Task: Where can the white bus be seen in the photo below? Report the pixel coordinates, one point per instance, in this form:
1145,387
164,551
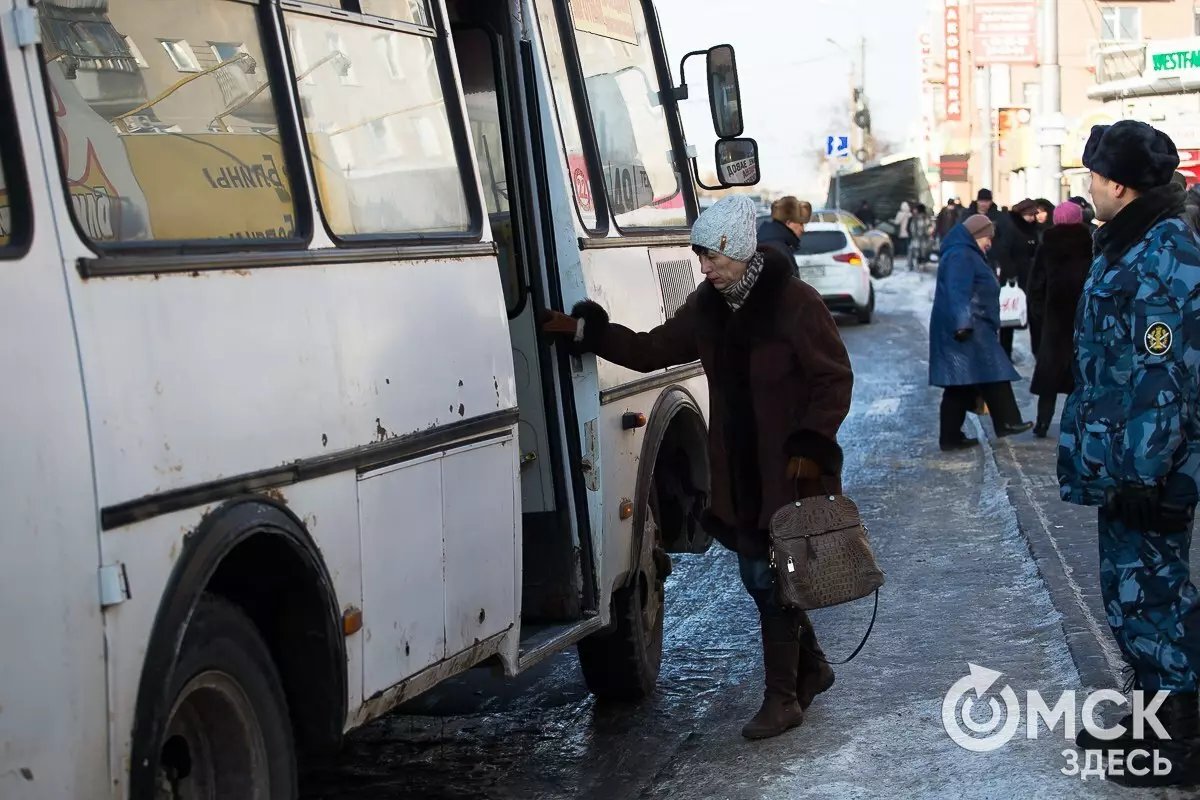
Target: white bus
283,447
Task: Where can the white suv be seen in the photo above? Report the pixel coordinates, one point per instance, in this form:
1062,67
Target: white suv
829,261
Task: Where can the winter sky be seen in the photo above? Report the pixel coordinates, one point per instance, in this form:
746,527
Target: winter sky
792,78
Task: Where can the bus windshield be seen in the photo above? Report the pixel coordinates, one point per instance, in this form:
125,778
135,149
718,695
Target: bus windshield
631,128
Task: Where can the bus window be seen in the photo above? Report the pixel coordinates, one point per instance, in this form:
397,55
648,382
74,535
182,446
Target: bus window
6,220
631,128
167,128
414,11
14,225
476,65
568,122
379,134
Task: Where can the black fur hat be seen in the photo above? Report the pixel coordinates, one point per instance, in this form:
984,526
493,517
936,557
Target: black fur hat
1132,154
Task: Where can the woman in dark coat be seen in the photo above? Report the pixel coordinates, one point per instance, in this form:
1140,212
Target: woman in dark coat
1059,272
1037,275
965,357
779,383
1045,214
1015,245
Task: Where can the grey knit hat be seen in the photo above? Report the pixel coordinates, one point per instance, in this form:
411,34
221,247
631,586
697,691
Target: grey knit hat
727,227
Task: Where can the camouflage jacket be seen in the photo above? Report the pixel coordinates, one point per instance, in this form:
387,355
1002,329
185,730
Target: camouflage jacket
1132,417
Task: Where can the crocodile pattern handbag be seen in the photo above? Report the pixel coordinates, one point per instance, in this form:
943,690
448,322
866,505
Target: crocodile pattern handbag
820,554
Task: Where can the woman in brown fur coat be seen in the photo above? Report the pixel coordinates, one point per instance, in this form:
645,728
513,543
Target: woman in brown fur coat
1055,285
779,383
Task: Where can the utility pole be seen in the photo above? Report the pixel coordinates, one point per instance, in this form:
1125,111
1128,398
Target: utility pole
1051,127
862,69
985,102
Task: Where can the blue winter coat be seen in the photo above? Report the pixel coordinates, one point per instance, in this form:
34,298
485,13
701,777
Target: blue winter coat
1133,417
967,296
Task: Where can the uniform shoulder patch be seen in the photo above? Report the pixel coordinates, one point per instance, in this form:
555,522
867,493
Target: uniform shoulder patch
1158,339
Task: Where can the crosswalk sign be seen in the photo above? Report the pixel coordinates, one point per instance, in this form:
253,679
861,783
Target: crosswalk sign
838,147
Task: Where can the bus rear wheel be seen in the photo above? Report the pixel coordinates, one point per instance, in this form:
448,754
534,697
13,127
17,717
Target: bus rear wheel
623,664
228,735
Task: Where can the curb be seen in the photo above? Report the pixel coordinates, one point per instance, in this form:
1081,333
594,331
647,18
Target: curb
1089,640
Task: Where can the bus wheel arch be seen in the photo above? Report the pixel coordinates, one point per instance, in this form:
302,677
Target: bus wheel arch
623,661
674,468
251,555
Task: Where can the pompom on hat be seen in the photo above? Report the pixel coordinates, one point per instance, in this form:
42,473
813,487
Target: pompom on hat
1131,153
727,227
1068,214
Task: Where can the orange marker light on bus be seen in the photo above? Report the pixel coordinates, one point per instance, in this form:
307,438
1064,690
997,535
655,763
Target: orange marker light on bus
633,419
352,621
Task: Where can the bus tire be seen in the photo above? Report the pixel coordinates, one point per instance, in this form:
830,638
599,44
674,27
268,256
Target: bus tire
228,731
623,664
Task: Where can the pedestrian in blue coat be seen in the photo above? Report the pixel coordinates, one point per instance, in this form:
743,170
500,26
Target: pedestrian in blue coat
1130,441
965,356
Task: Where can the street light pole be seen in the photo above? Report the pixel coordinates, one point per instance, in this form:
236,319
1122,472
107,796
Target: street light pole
985,101
853,79
1051,123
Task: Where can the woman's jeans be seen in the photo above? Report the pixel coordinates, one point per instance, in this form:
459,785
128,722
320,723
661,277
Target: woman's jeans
958,400
760,583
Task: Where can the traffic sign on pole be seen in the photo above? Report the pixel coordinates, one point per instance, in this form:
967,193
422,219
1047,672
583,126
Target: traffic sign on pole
838,147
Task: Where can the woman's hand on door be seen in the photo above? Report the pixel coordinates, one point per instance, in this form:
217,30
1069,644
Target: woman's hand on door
558,323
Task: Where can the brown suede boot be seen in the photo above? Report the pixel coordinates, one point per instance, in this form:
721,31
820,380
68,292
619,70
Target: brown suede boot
814,675
781,660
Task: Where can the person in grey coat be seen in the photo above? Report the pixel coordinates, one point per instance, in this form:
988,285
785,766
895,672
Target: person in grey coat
965,356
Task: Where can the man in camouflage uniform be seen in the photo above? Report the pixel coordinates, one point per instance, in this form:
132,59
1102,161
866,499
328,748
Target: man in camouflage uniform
1130,439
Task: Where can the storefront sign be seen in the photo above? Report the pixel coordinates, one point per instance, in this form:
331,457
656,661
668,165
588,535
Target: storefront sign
1174,58
1005,32
612,19
1010,119
954,168
953,31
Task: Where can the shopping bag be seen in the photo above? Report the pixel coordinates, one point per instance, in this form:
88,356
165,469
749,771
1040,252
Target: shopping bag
1014,311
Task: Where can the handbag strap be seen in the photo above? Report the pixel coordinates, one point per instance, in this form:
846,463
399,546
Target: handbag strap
861,644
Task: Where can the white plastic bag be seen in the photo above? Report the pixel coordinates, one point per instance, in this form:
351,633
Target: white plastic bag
1014,311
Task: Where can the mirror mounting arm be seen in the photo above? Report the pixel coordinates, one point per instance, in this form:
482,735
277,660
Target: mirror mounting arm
680,92
699,182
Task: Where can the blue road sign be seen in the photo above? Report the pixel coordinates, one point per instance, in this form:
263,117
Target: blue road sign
837,146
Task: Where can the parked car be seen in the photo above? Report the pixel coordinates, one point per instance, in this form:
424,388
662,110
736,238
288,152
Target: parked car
830,261
874,243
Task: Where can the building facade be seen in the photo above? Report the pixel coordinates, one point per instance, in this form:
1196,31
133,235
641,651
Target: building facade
1127,59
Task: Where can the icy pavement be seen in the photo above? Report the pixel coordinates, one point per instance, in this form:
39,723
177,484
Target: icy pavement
961,588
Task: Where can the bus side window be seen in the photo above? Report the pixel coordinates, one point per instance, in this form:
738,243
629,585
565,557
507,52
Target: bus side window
6,216
379,134
414,11
13,210
15,224
631,129
167,127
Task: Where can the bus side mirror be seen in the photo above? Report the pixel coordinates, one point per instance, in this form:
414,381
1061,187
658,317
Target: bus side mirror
737,162
724,92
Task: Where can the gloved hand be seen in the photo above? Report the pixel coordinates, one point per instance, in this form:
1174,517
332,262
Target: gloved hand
803,469
558,323
1143,509
962,334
